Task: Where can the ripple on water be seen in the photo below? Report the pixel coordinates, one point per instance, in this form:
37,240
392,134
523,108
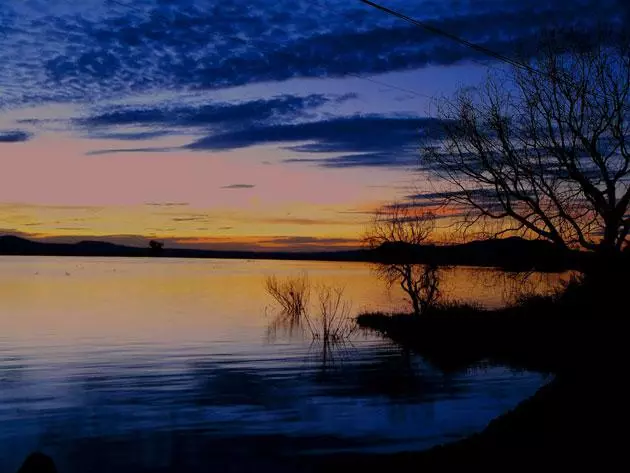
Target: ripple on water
93,380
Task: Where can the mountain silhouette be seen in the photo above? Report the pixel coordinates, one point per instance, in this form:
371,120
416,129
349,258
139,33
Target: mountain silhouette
512,253
509,253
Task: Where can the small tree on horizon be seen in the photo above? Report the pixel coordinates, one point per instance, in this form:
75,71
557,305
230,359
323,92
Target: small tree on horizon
404,226
156,246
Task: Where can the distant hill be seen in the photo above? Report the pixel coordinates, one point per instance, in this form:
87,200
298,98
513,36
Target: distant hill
508,253
12,245
512,253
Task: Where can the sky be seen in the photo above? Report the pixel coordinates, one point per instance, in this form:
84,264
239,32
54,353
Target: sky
235,124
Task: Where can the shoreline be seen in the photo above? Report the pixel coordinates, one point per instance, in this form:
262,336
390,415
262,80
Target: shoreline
566,422
552,427
509,254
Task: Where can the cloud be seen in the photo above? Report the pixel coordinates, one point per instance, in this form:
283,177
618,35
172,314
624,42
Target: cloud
307,243
358,141
157,149
164,119
62,51
14,136
239,186
227,114
127,136
191,219
167,204
304,221
363,140
376,159
307,239
356,133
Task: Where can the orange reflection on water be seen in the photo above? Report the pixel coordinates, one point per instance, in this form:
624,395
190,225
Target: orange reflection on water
72,301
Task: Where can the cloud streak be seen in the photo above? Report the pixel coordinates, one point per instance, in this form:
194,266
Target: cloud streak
281,108
287,121
14,136
363,141
239,186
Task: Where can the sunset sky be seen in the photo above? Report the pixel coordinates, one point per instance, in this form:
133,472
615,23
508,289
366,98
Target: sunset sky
233,124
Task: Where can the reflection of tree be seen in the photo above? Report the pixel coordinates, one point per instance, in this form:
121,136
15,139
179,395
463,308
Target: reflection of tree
516,286
507,287
335,361
330,327
331,321
395,373
286,326
329,355
325,352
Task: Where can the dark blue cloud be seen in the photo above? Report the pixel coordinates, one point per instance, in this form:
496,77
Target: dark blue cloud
357,141
128,136
357,133
396,158
156,149
167,204
60,50
220,117
14,136
239,186
280,108
372,141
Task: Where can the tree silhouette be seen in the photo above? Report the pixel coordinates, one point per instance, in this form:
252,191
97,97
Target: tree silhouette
544,151
156,247
399,228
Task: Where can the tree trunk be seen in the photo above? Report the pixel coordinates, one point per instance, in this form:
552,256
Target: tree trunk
607,252
607,262
416,303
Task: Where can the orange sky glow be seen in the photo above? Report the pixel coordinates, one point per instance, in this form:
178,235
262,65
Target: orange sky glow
245,198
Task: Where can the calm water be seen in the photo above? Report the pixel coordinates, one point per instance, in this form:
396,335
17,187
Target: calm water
164,365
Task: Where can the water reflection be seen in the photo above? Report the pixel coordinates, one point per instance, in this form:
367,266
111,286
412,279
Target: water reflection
283,326
171,366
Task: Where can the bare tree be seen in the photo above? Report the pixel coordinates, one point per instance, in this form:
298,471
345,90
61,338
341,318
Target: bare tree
544,151
291,294
401,227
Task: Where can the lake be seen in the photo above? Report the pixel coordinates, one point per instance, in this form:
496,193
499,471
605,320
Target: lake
134,365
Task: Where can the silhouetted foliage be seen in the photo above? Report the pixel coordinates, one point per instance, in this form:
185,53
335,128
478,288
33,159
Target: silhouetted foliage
156,247
405,228
543,151
291,294
332,322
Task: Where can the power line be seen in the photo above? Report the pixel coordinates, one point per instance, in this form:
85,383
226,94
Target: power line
567,80
452,37
391,86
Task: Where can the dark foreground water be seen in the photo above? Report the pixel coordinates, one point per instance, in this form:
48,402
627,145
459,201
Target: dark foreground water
170,365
